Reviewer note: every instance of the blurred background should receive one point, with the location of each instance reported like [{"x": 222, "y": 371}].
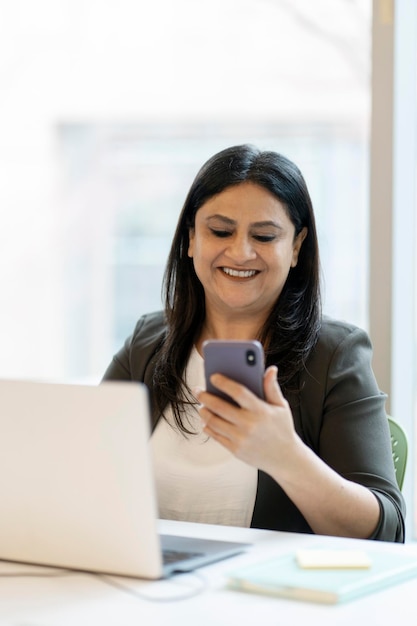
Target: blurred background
[{"x": 108, "y": 109}]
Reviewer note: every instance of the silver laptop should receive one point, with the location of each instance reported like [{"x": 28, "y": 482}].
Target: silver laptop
[{"x": 76, "y": 483}]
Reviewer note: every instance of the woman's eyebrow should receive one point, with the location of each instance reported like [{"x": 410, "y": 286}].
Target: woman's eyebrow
[
  {"x": 266, "y": 223},
  {"x": 222, "y": 218},
  {"x": 230, "y": 222}
]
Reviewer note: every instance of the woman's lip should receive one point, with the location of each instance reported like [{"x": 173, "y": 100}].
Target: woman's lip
[{"x": 230, "y": 271}]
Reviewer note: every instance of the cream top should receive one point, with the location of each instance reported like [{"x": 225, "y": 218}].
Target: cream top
[{"x": 197, "y": 479}]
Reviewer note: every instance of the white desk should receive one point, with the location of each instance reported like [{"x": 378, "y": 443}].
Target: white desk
[{"x": 56, "y": 598}]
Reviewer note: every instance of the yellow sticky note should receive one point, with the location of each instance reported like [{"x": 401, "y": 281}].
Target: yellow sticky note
[{"x": 332, "y": 559}]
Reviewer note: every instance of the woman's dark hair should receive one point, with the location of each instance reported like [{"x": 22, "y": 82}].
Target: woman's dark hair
[{"x": 292, "y": 328}]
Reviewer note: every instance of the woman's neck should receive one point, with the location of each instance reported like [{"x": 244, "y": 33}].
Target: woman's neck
[{"x": 237, "y": 327}]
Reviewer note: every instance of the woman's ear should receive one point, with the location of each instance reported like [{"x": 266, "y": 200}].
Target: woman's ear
[{"x": 298, "y": 242}]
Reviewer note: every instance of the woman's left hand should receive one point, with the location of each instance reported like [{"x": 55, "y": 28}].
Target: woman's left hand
[{"x": 259, "y": 432}]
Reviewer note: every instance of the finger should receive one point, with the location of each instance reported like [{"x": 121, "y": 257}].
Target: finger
[
  {"x": 196, "y": 391},
  {"x": 241, "y": 395},
  {"x": 213, "y": 406},
  {"x": 273, "y": 393},
  {"x": 223, "y": 440},
  {"x": 216, "y": 426}
]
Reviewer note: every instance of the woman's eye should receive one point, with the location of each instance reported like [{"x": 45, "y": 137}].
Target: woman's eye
[
  {"x": 220, "y": 233},
  {"x": 264, "y": 238}
]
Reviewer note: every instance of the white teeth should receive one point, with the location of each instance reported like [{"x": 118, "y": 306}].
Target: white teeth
[{"x": 239, "y": 274}]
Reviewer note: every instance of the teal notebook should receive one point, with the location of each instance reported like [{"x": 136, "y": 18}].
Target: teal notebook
[{"x": 283, "y": 577}]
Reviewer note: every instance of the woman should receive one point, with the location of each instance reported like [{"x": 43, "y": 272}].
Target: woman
[{"x": 315, "y": 455}]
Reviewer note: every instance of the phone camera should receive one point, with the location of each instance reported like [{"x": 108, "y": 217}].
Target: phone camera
[{"x": 250, "y": 357}]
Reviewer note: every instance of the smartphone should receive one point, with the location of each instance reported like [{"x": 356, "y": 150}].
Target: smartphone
[{"x": 242, "y": 361}]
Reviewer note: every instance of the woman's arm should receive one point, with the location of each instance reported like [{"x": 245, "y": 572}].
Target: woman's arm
[
  {"x": 263, "y": 435},
  {"x": 336, "y": 464}
]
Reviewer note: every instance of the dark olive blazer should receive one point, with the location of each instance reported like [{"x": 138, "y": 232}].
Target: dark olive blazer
[{"x": 339, "y": 413}]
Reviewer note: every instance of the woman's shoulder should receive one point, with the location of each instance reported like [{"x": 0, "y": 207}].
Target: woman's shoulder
[
  {"x": 341, "y": 339},
  {"x": 142, "y": 345},
  {"x": 337, "y": 370},
  {"x": 149, "y": 329},
  {"x": 334, "y": 332},
  {"x": 131, "y": 360}
]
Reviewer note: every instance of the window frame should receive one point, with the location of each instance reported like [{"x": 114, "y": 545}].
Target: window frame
[{"x": 392, "y": 266}]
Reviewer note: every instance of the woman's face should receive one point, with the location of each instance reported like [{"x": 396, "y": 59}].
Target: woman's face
[{"x": 243, "y": 245}]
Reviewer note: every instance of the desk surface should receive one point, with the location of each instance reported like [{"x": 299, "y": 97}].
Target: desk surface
[{"x": 37, "y": 596}]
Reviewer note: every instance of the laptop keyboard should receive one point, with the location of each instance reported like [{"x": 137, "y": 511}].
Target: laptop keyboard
[{"x": 175, "y": 556}]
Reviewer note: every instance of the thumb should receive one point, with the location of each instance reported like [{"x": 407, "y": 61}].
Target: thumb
[{"x": 272, "y": 390}]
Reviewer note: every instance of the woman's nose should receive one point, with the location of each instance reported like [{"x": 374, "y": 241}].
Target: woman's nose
[{"x": 240, "y": 249}]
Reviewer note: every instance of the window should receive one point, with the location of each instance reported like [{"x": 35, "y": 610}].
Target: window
[{"x": 109, "y": 110}]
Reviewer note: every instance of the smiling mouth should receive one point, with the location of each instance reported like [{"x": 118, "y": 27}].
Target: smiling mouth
[{"x": 239, "y": 273}]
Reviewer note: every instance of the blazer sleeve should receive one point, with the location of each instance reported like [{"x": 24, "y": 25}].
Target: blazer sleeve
[
  {"x": 133, "y": 361},
  {"x": 353, "y": 435},
  {"x": 119, "y": 368}
]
